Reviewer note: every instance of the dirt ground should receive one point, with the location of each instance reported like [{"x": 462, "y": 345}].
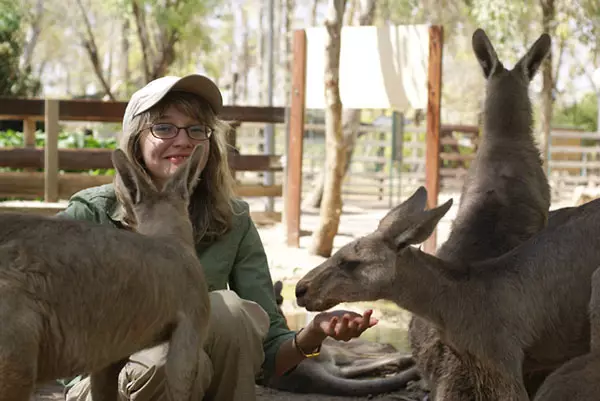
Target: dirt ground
[{"x": 54, "y": 393}]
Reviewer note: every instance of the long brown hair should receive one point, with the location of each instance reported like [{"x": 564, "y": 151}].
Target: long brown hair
[{"x": 211, "y": 208}]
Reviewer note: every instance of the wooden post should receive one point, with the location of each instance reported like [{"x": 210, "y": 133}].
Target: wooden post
[
  {"x": 293, "y": 191},
  {"x": 29, "y": 132},
  {"x": 51, "y": 114},
  {"x": 432, "y": 139},
  {"x": 29, "y": 135}
]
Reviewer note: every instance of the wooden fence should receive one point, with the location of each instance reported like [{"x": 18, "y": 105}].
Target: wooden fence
[
  {"x": 574, "y": 161},
  {"x": 53, "y": 184}
]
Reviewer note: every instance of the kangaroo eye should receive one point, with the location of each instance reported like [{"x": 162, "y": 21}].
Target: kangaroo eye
[{"x": 350, "y": 264}]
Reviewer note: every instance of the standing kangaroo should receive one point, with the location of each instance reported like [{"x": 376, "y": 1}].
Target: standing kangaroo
[
  {"x": 77, "y": 297},
  {"x": 579, "y": 379},
  {"x": 527, "y": 304},
  {"x": 504, "y": 201}
]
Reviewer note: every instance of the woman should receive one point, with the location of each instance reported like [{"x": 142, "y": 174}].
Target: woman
[{"x": 248, "y": 337}]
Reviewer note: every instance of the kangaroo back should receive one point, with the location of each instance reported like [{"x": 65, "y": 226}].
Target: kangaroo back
[{"x": 579, "y": 378}]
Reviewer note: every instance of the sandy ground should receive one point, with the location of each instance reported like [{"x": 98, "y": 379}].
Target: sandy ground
[{"x": 54, "y": 393}]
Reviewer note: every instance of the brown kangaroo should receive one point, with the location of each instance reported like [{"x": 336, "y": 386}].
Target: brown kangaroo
[
  {"x": 323, "y": 375},
  {"x": 505, "y": 200},
  {"x": 77, "y": 297},
  {"x": 529, "y": 304},
  {"x": 579, "y": 379}
]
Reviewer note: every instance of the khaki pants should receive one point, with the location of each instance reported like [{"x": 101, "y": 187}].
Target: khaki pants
[{"x": 231, "y": 359}]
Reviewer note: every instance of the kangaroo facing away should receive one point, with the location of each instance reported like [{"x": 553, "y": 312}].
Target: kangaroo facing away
[
  {"x": 77, "y": 297},
  {"x": 504, "y": 201},
  {"x": 532, "y": 300},
  {"x": 579, "y": 379}
]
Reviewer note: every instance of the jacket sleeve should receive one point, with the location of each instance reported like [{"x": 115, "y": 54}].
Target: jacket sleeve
[{"x": 251, "y": 280}]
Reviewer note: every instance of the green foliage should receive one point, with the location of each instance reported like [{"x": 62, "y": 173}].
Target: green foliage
[
  {"x": 13, "y": 80},
  {"x": 580, "y": 115}
]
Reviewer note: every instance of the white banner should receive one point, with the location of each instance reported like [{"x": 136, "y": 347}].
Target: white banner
[{"x": 380, "y": 67}]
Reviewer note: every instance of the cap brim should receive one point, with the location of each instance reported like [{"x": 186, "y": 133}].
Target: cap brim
[{"x": 194, "y": 83}]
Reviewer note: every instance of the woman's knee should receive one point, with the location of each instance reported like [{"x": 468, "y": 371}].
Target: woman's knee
[{"x": 236, "y": 318}]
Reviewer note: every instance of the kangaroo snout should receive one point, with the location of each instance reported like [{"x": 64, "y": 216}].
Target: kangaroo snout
[{"x": 301, "y": 290}]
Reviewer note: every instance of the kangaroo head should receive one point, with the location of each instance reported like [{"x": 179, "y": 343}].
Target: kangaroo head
[
  {"x": 525, "y": 68},
  {"x": 369, "y": 268},
  {"x": 153, "y": 206},
  {"x": 509, "y": 88}
]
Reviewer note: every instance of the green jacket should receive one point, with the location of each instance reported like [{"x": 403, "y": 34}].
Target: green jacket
[{"x": 238, "y": 259}]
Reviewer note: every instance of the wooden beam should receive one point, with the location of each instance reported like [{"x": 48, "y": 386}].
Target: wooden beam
[
  {"x": 295, "y": 142},
  {"x": 96, "y": 158},
  {"x": 51, "y": 109},
  {"x": 31, "y": 185},
  {"x": 112, "y": 111},
  {"x": 258, "y": 190},
  {"x": 50, "y": 209},
  {"x": 432, "y": 139}
]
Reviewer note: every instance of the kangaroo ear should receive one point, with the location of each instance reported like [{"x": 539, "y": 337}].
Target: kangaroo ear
[
  {"x": 534, "y": 57},
  {"x": 133, "y": 180},
  {"x": 415, "y": 204},
  {"x": 416, "y": 228},
  {"x": 187, "y": 176},
  {"x": 485, "y": 53}
]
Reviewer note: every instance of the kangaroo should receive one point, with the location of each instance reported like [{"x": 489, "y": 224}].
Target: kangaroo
[
  {"x": 579, "y": 378},
  {"x": 504, "y": 201},
  {"x": 323, "y": 375},
  {"x": 529, "y": 302},
  {"x": 77, "y": 297}
]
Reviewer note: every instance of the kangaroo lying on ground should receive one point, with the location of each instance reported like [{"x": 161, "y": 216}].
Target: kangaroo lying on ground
[
  {"x": 504, "y": 201},
  {"x": 531, "y": 301},
  {"x": 324, "y": 375},
  {"x": 77, "y": 297},
  {"x": 579, "y": 379}
]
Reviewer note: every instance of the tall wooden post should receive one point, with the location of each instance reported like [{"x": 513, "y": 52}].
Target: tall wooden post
[
  {"x": 293, "y": 190},
  {"x": 432, "y": 140},
  {"x": 51, "y": 116}
]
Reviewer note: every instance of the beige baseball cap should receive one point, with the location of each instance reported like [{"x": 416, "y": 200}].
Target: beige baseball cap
[{"x": 154, "y": 91}]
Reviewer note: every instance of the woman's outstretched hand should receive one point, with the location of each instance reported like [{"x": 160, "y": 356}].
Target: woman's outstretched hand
[{"x": 343, "y": 325}]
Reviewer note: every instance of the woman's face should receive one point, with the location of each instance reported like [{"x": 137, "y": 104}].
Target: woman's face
[{"x": 163, "y": 156}]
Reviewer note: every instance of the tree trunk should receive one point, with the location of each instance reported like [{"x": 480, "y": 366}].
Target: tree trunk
[
  {"x": 124, "y": 59},
  {"x": 350, "y": 118},
  {"x": 142, "y": 31},
  {"x": 548, "y": 14},
  {"x": 89, "y": 43},
  {"x": 331, "y": 207},
  {"x": 350, "y": 129}
]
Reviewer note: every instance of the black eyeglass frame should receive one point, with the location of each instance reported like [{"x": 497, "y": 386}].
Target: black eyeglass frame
[{"x": 209, "y": 131}]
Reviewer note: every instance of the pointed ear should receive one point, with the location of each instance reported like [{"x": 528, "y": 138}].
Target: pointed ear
[
  {"x": 416, "y": 228},
  {"x": 133, "y": 181},
  {"x": 485, "y": 53},
  {"x": 415, "y": 204},
  {"x": 186, "y": 177},
  {"x": 534, "y": 57}
]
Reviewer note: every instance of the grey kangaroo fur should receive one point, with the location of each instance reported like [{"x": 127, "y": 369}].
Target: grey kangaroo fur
[
  {"x": 529, "y": 304},
  {"x": 505, "y": 201},
  {"x": 323, "y": 375},
  {"x": 77, "y": 297},
  {"x": 579, "y": 378}
]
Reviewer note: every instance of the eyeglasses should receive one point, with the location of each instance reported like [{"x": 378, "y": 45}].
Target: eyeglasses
[{"x": 199, "y": 132}]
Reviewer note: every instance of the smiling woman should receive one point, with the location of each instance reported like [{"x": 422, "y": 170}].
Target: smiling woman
[{"x": 163, "y": 122}]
